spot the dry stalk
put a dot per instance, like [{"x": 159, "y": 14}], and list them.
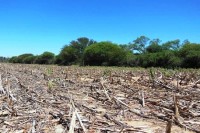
[
  {"x": 169, "y": 126},
  {"x": 105, "y": 91},
  {"x": 72, "y": 123},
  {"x": 176, "y": 112},
  {"x": 33, "y": 127},
  {"x": 77, "y": 115},
  {"x": 143, "y": 101},
  {"x": 80, "y": 121},
  {"x": 2, "y": 90}
]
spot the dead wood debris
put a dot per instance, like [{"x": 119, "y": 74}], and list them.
[{"x": 54, "y": 99}]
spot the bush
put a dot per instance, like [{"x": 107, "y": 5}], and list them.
[
  {"x": 21, "y": 58},
  {"x": 184, "y": 51},
  {"x": 45, "y": 58},
  {"x": 13, "y": 59},
  {"x": 154, "y": 48},
  {"x": 29, "y": 59},
  {"x": 147, "y": 60},
  {"x": 132, "y": 60},
  {"x": 58, "y": 60},
  {"x": 191, "y": 60},
  {"x": 190, "y": 54},
  {"x": 166, "y": 59},
  {"x": 104, "y": 54},
  {"x": 67, "y": 56}
]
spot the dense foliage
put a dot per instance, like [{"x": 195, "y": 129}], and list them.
[
  {"x": 142, "y": 52},
  {"x": 45, "y": 58},
  {"x": 104, "y": 54}
]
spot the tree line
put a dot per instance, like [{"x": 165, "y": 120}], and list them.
[
  {"x": 3, "y": 59},
  {"x": 141, "y": 52}
]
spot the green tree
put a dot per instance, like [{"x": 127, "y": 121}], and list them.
[
  {"x": 132, "y": 60},
  {"x": 190, "y": 54},
  {"x": 13, "y": 59},
  {"x": 188, "y": 47},
  {"x": 4, "y": 59},
  {"x": 29, "y": 59},
  {"x": 166, "y": 59},
  {"x": 58, "y": 60},
  {"x": 73, "y": 53},
  {"x": 192, "y": 60},
  {"x": 172, "y": 45},
  {"x": 154, "y": 46},
  {"x": 126, "y": 47},
  {"x": 68, "y": 55},
  {"x": 45, "y": 58},
  {"x": 139, "y": 44},
  {"x": 20, "y": 59},
  {"x": 185, "y": 42},
  {"x": 104, "y": 53},
  {"x": 81, "y": 43},
  {"x": 147, "y": 60}
]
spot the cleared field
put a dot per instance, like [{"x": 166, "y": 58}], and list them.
[{"x": 35, "y": 98}]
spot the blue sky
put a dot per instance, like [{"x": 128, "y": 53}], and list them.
[{"x": 35, "y": 26}]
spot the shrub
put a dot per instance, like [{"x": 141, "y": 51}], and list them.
[
  {"x": 21, "y": 58},
  {"x": 29, "y": 59},
  {"x": 190, "y": 54},
  {"x": 67, "y": 56},
  {"x": 104, "y": 53},
  {"x": 45, "y": 58},
  {"x": 13, "y": 59},
  {"x": 132, "y": 60},
  {"x": 166, "y": 59},
  {"x": 192, "y": 59}
]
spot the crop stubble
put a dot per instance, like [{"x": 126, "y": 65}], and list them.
[{"x": 37, "y": 98}]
